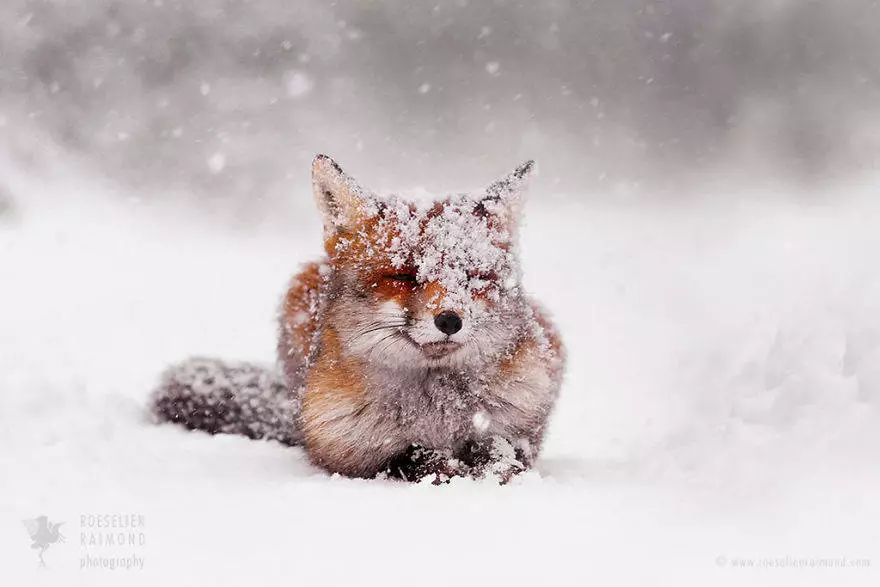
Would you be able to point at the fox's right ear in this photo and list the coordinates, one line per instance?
(504, 197)
(338, 196)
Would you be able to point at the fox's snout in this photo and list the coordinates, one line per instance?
(447, 322)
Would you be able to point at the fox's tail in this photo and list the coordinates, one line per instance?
(227, 398)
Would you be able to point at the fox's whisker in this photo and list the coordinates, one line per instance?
(362, 333)
(391, 336)
(392, 346)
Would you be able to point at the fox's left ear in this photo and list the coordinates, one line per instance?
(504, 197)
(340, 199)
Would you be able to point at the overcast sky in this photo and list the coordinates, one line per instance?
(229, 99)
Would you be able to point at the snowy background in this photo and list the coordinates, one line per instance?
(704, 229)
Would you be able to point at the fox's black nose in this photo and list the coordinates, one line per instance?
(447, 322)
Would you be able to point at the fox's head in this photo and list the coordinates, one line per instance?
(423, 284)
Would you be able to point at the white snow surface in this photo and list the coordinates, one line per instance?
(722, 401)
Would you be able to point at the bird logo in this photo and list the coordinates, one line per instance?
(43, 535)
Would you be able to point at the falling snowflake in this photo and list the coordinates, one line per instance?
(217, 163)
(298, 84)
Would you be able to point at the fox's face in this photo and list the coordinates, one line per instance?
(422, 284)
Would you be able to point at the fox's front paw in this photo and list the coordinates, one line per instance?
(494, 458)
(419, 463)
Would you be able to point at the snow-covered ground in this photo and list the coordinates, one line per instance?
(722, 404)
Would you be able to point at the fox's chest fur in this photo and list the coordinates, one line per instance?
(435, 408)
(355, 418)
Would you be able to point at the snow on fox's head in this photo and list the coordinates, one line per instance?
(423, 282)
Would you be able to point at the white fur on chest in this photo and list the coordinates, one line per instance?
(441, 408)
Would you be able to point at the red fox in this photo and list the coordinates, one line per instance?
(410, 350)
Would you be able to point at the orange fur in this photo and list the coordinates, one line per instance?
(298, 326)
(333, 400)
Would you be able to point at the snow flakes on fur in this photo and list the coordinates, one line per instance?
(227, 398)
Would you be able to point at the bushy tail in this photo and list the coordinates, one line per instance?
(227, 398)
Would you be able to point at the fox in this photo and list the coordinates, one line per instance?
(409, 351)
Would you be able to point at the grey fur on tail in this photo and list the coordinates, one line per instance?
(222, 397)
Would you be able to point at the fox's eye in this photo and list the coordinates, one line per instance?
(402, 277)
(482, 275)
